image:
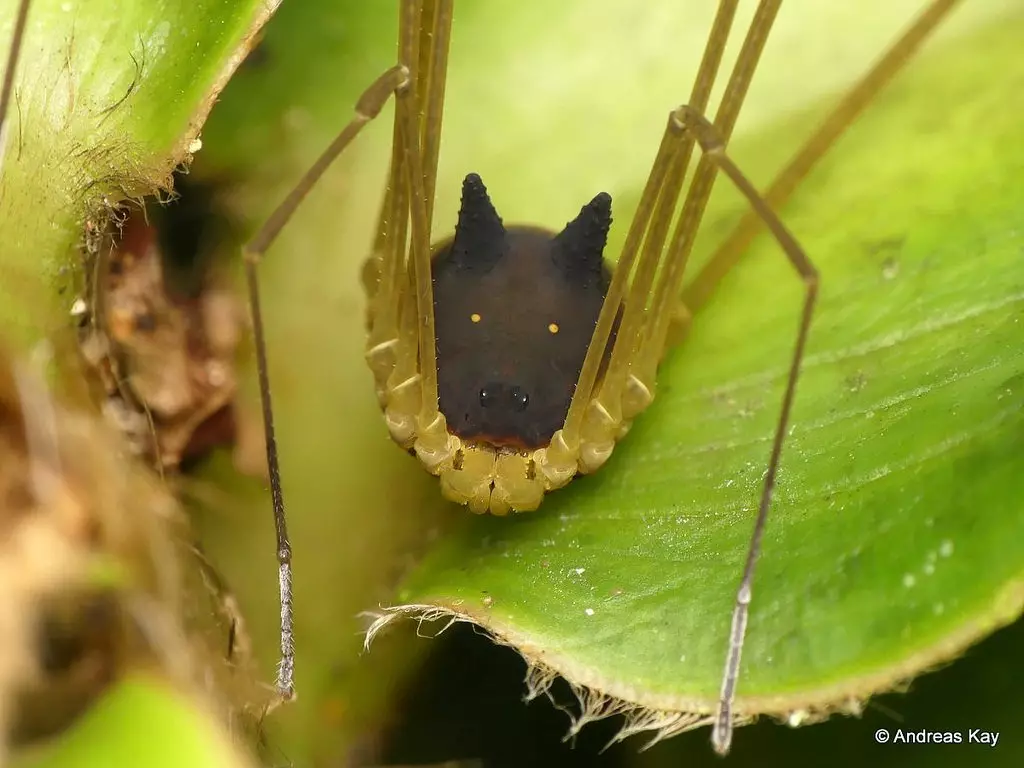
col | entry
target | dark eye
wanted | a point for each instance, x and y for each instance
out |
(487, 397)
(519, 398)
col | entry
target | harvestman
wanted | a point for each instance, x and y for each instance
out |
(498, 437)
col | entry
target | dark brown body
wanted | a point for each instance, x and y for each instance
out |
(515, 310)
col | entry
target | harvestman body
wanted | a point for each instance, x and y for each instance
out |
(460, 385)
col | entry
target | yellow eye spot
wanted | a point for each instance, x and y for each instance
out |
(475, 317)
(553, 327)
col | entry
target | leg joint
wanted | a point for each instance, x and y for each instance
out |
(689, 120)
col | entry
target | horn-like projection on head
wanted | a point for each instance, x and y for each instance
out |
(578, 248)
(479, 233)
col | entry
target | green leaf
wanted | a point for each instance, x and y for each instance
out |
(551, 103)
(935, 704)
(108, 100)
(167, 729)
(894, 538)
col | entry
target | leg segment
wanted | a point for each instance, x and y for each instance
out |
(652, 341)
(368, 107)
(562, 459)
(643, 361)
(696, 294)
(401, 350)
(601, 411)
(628, 384)
(714, 150)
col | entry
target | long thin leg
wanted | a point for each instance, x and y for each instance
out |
(393, 362)
(408, 111)
(670, 280)
(713, 146)
(440, 38)
(387, 262)
(628, 383)
(369, 105)
(402, 347)
(696, 294)
(385, 286)
(367, 108)
(383, 353)
(285, 682)
(662, 190)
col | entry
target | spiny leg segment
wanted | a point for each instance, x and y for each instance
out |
(411, 104)
(401, 347)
